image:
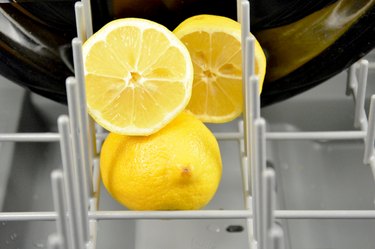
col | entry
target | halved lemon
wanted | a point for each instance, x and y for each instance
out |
(138, 76)
(214, 43)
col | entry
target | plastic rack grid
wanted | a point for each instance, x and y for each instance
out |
(76, 187)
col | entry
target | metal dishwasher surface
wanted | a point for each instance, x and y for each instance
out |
(314, 175)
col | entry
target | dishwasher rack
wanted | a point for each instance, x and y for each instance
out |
(76, 188)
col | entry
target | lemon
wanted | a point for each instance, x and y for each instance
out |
(214, 43)
(177, 168)
(138, 76)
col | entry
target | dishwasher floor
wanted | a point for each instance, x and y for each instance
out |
(314, 175)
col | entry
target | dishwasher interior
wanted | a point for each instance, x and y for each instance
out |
(311, 174)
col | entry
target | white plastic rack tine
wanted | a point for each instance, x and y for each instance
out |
(93, 224)
(60, 207)
(251, 109)
(239, 2)
(94, 203)
(255, 98)
(253, 145)
(245, 22)
(55, 242)
(96, 176)
(80, 22)
(79, 163)
(245, 31)
(370, 135)
(250, 55)
(246, 188)
(255, 106)
(245, 181)
(70, 182)
(259, 145)
(350, 82)
(276, 238)
(268, 205)
(93, 234)
(359, 114)
(85, 126)
(88, 17)
(250, 232)
(241, 138)
(248, 58)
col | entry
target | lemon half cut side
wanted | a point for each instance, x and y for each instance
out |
(214, 43)
(138, 76)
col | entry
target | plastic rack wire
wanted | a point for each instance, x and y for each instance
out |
(76, 187)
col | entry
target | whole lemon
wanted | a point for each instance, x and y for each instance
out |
(177, 168)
